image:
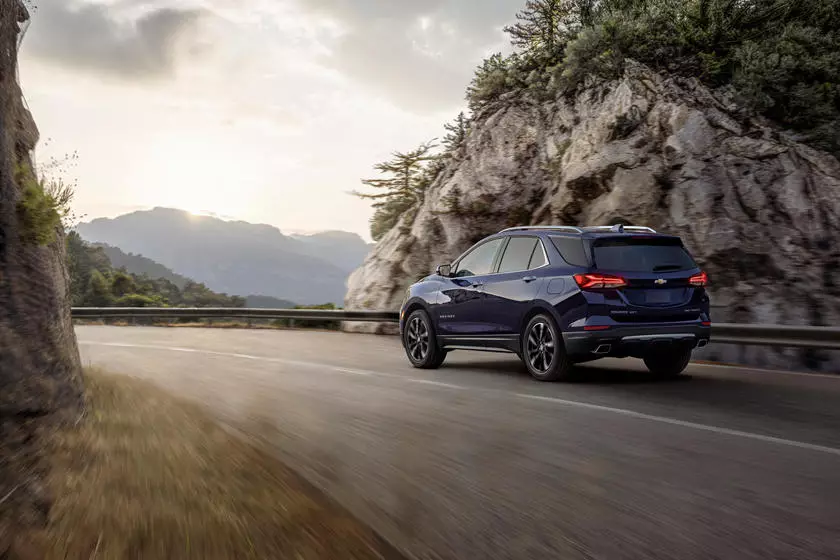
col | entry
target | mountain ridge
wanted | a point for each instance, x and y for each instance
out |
(236, 257)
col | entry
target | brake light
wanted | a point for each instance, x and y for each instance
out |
(699, 280)
(599, 281)
(706, 323)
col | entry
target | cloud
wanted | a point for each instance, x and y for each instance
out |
(419, 54)
(105, 39)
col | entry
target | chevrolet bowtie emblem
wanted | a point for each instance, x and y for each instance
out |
(661, 281)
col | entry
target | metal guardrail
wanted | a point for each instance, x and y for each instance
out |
(827, 338)
(722, 333)
(233, 313)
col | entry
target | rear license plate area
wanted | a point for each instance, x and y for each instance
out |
(655, 296)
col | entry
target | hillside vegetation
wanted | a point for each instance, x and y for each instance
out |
(95, 282)
(779, 59)
(140, 265)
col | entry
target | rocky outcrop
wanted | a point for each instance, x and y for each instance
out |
(40, 371)
(760, 211)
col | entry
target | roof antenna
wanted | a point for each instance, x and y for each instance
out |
(618, 228)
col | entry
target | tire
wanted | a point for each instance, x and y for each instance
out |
(669, 364)
(420, 342)
(543, 351)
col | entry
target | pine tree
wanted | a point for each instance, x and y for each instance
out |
(456, 134)
(538, 27)
(545, 26)
(405, 170)
(490, 80)
(403, 187)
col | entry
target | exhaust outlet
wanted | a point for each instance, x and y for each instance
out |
(603, 349)
(703, 343)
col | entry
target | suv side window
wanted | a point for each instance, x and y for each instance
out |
(480, 260)
(518, 254)
(539, 258)
(571, 249)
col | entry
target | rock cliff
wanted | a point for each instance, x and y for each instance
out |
(760, 211)
(40, 370)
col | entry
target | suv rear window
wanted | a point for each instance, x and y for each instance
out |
(642, 255)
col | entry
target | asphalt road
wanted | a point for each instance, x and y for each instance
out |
(477, 461)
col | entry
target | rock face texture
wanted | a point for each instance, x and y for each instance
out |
(40, 370)
(758, 210)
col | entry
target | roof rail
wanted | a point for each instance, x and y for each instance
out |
(619, 228)
(559, 228)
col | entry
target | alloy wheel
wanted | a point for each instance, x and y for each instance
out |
(418, 339)
(541, 347)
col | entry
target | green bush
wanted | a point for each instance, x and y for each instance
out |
(493, 78)
(98, 291)
(42, 205)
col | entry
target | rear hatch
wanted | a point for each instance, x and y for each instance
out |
(657, 271)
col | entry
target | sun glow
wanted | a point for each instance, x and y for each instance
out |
(200, 171)
(199, 213)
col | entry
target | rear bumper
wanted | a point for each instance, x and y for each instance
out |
(637, 340)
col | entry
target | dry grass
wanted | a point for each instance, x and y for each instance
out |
(147, 476)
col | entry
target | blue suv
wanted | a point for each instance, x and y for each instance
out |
(560, 295)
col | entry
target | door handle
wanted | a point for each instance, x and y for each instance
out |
(529, 279)
(478, 285)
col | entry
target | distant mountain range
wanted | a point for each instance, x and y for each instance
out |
(237, 258)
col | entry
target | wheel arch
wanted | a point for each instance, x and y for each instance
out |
(540, 307)
(413, 305)
(410, 307)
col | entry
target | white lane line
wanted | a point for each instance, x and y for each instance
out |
(683, 423)
(578, 404)
(435, 383)
(353, 371)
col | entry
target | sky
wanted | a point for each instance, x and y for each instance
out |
(270, 113)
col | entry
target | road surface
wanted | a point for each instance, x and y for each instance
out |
(477, 461)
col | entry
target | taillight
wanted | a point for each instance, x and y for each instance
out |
(599, 281)
(699, 280)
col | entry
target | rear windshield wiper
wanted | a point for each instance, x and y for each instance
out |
(665, 267)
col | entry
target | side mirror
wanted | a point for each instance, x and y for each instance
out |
(444, 270)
